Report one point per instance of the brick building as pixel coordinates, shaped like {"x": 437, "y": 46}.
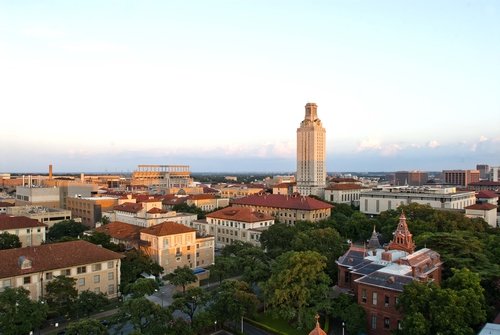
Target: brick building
{"x": 376, "y": 276}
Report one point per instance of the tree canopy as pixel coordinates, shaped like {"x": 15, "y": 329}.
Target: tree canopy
{"x": 67, "y": 229}
{"x": 9, "y": 241}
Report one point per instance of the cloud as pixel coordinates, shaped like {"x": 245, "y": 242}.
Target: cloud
{"x": 433, "y": 144}
{"x": 483, "y": 138}
{"x": 43, "y": 33}
{"x": 369, "y": 144}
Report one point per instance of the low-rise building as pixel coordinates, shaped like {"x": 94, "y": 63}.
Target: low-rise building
{"x": 90, "y": 209}
{"x": 485, "y": 211}
{"x": 485, "y": 185}
{"x": 377, "y": 276}
{"x": 94, "y": 268}
{"x": 207, "y": 202}
{"x": 4, "y": 205}
{"x": 38, "y": 196}
{"x": 47, "y": 215}
{"x": 344, "y": 193}
{"x": 240, "y": 191}
{"x": 383, "y": 199}
{"x": 287, "y": 208}
{"x": 173, "y": 245}
{"x": 29, "y": 231}
{"x": 285, "y": 188}
{"x": 122, "y": 233}
{"x": 235, "y": 224}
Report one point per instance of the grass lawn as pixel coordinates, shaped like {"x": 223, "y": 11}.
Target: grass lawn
{"x": 279, "y": 325}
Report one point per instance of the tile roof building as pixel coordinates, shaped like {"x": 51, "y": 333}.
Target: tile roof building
{"x": 29, "y": 231}
{"x": 122, "y": 233}
{"x": 95, "y": 268}
{"x": 287, "y": 208}
{"x": 376, "y": 276}
{"x": 232, "y": 224}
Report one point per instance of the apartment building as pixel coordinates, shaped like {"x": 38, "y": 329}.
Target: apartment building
{"x": 29, "y": 231}
{"x": 235, "y": 224}
{"x": 286, "y": 208}
{"x": 95, "y": 268}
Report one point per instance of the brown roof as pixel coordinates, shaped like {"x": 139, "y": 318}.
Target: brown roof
{"x": 156, "y": 210}
{"x": 18, "y": 222}
{"x": 242, "y": 214}
{"x": 482, "y": 207}
{"x": 283, "y": 185}
{"x": 344, "y": 187}
{"x": 6, "y": 204}
{"x": 485, "y": 183}
{"x": 486, "y": 195}
{"x": 53, "y": 256}
{"x": 121, "y": 230}
{"x": 167, "y": 228}
{"x": 128, "y": 207}
{"x": 344, "y": 180}
{"x": 294, "y": 201}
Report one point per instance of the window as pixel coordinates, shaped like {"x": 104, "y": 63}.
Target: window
{"x": 386, "y": 301}
{"x": 66, "y": 272}
{"x": 96, "y": 267}
{"x": 197, "y": 254}
{"x": 374, "y": 298}
{"x": 6, "y": 283}
{"x": 111, "y": 289}
{"x": 374, "y": 322}
{"x": 188, "y": 247}
{"x": 81, "y": 269}
{"x": 97, "y": 290}
{"x": 81, "y": 282}
{"x": 48, "y": 275}
{"x": 363, "y": 295}
{"x": 97, "y": 279}
{"x": 111, "y": 276}
{"x": 27, "y": 280}
{"x": 110, "y": 264}
{"x": 387, "y": 323}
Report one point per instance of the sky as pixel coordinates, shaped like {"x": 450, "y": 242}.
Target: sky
{"x": 221, "y": 85}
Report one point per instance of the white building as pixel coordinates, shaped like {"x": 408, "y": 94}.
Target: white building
{"x": 485, "y": 211}
{"x": 311, "y": 154}
{"x": 345, "y": 193}
{"x": 383, "y": 199}
{"x": 235, "y": 224}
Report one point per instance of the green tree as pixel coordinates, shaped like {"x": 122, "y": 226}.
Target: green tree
{"x": 9, "y": 241}
{"x": 232, "y": 300}
{"x": 223, "y": 267}
{"x": 278, "y": 239}
{"x": 142, "y": 287}
{"x": 190, "y": 301}
{"x": 251, "y": 261}
{"x": 181, "y": 277}
{"x": 18, "y": 313}
{"x": 135, "y": 263}
{"x": 345, "y": 308}
{"x": 61, "y": 294}
{"x": 145, "y": 316}
{"x": 89, "y": 302}
{"x": 101, "y": 239}
{"x": 65, "y": 229}
{"x": 298, "y": 286}
{"x": 86, "y": 327}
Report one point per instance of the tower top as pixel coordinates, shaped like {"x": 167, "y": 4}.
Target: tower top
{"x": 402, "y": 237}
{"x": 311, "y": 111}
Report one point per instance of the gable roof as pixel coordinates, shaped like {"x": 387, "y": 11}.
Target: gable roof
{"x": 53, "y": 256}
{"x": 482, "y": 207}
{"x": 486, "y": 195}
{"x": 167, "y": 228}
{"x": 18, "y": 222}
{"x": 294, "y": 201}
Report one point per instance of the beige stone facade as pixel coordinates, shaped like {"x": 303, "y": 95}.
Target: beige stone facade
{"x": 89, "y": 210}
{"x": 29, "y": 231}
{"x": 94, "y": 268}
{"x": 311, "y": 154}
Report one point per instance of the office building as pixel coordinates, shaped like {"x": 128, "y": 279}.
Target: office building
{"x": 460, "y": 177}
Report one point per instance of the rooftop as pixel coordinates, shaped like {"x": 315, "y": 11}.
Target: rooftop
{"x": 167, "y": 228}
{"x": 294, "y": 201}
{"x": 242, "y": 214}
{"x": 8, "y": 222}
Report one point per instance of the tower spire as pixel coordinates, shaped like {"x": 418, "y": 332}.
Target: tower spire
{"x": 403, "y": 239}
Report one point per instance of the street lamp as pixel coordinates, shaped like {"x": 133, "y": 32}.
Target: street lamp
{"x": 343, "y": 325}
{"x": 161, "y": 296}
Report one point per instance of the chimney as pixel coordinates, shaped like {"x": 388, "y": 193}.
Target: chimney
{"x": 50, "y": 171}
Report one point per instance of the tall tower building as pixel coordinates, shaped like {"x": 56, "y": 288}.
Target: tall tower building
{"x": 311, "y": 154}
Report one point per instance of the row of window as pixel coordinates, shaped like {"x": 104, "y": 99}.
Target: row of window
{"x": 387, "y": 322}
{"x": 375, "y": 298}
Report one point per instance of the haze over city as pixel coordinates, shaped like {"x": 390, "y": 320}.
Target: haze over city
{"x": 221, "y": 85}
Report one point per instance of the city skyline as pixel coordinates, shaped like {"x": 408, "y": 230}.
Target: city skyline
{"x": 221, "y": 86}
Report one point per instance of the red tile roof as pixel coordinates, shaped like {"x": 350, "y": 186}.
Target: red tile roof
{"x": 128, "y": 207}
{"x": 121, "y": 231}
{"x": 53, "y": 256}
{"x": 18, "y": 222}
{"x": 242, "y": 214}
{"x": 344, "y": 180}
{"x": 282, "y": 201}
{"x": 344, "y": 187}
{"x": 156, "y": 210}
{"x": 201, "y": 196}
{"x": 167, "y": 228}
{"x": 486, "y": 195}
{"x": 285, "y": 185}
{"x": 482, "y": 207}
